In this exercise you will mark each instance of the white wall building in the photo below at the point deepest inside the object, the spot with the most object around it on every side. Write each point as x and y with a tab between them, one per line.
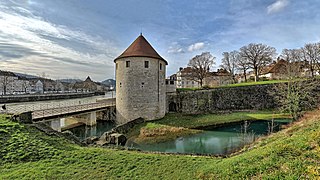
185	78
39	87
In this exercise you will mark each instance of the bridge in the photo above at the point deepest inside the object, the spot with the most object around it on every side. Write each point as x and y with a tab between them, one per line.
68	110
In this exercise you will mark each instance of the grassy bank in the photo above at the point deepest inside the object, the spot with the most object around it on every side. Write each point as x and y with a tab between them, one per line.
166	127
193	121
237	85
152	133
26	153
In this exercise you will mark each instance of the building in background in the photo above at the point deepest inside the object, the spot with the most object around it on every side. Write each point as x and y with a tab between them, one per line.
185	78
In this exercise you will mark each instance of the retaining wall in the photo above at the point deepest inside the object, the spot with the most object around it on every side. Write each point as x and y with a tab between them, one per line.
221	99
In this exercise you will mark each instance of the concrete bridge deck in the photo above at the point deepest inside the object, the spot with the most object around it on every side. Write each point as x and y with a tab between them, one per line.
55	112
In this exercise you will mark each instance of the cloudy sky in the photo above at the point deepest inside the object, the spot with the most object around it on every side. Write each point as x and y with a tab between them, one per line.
77	38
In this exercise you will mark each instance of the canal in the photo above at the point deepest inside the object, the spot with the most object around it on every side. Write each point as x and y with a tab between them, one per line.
217	141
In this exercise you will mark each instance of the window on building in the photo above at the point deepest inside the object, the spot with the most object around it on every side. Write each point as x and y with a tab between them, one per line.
116	65
146	64
160	66
142	84
120	84
127	63
171	82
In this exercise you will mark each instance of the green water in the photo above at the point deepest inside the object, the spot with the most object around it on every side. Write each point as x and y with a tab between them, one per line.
220	141
83	131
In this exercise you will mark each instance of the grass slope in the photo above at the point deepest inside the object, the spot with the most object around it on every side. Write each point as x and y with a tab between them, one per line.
237	85
290	154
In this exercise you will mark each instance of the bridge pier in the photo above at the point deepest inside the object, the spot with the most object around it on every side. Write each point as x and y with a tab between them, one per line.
57	124
90	119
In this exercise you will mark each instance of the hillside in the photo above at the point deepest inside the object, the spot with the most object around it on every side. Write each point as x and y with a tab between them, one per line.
109	82
26	153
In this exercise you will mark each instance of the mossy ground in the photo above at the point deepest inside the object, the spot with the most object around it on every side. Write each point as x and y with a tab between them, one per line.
26	153
154	133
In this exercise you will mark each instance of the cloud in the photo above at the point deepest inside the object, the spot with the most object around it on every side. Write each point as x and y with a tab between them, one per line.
29	41
175	50
196	46
277	6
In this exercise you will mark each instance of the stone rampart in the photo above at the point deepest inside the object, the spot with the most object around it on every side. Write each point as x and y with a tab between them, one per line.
221	99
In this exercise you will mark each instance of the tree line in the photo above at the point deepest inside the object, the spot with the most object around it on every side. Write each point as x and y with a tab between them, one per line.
255	56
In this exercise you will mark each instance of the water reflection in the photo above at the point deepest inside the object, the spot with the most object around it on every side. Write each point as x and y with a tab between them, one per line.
82	125
83	131
222	140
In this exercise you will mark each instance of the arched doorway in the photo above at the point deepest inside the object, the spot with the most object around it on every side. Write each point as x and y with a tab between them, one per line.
172	107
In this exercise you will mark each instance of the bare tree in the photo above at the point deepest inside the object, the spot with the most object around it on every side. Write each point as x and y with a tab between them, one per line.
296	95
25	85
293	57
258	56
243	66
230	62
6	78
201	65
311	54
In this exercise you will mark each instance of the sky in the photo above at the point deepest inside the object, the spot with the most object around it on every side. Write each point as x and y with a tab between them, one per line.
80	38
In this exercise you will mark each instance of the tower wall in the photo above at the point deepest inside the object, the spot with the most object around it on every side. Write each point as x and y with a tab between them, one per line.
140	91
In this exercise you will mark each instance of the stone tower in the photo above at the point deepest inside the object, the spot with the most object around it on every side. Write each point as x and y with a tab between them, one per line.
140	83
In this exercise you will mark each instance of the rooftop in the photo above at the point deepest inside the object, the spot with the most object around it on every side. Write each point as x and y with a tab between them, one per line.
140	48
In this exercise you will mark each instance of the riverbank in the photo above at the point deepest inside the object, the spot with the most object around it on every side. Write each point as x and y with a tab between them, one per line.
153	133
27	153
193	124
202	120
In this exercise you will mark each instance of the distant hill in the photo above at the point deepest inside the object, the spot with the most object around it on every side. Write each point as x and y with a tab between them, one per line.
70	80
109	82
26	75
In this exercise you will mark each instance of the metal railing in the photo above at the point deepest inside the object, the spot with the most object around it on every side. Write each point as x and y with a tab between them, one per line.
45	94
44	113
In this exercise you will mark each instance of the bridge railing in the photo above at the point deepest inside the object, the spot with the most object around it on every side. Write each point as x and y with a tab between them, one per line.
38	114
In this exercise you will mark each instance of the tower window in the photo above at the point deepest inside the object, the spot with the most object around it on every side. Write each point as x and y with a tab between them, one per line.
146	64
160	66
116	65
127	63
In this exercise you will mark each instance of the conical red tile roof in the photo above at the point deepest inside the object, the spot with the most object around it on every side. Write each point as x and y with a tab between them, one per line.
140	48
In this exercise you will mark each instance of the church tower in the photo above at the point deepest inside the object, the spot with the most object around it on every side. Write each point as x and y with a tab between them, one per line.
140	83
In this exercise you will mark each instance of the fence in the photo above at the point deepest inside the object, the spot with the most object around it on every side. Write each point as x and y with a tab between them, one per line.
38	114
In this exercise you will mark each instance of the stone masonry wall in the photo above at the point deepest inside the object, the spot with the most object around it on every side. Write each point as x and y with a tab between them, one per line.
140	91
221	99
